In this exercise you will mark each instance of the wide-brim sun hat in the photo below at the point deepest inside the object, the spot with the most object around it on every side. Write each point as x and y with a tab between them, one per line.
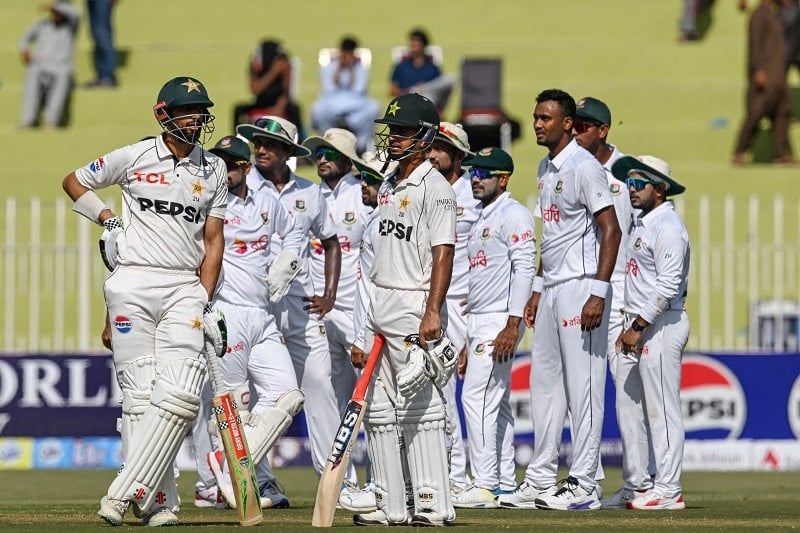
273	127
341	140
650	166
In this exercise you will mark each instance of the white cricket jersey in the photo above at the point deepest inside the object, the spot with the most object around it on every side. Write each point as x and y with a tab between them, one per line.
349	218
303	200
658	263
416	215
467	211
572	187
366	258
165	201
502	257
622	206
249	227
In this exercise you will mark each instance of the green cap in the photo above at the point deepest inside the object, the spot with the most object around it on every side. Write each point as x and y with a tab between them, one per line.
232	147
183	90
411	110
491	158
592	110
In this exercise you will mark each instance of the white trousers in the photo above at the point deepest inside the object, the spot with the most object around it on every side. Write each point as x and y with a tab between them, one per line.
487	409
567	361
457	333
340	332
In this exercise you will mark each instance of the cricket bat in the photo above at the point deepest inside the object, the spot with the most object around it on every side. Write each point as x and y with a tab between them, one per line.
237	453
330	484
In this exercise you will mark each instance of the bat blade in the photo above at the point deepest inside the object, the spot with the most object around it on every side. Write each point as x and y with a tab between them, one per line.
330	483
240	464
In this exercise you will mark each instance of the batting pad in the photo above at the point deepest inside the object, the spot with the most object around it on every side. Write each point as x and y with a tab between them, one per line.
383	444
264	429
422	423
153	447
136	382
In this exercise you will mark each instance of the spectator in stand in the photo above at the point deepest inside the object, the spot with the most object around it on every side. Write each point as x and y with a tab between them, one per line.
417	73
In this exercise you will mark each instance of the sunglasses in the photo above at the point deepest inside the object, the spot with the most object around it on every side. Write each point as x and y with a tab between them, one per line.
272	126
329	154
638	183
583	127
484	174
370	178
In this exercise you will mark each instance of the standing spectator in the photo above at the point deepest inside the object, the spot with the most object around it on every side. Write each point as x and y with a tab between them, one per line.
343	100
50	65
105	56
580	238
767	89
688	23
446	154
417	73
656	325
270	84
502	256
164	269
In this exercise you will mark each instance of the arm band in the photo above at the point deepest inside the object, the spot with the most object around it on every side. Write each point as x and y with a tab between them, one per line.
538	284
599	288
90	205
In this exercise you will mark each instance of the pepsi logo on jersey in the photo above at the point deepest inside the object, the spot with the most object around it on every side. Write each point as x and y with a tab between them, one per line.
397	229
165	207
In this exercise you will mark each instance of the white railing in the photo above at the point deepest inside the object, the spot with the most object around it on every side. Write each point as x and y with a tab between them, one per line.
743	252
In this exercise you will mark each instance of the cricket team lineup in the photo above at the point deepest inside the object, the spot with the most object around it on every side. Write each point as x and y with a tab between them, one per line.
438	279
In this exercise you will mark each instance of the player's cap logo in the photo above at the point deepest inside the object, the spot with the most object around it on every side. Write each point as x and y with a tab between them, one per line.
712	399
300	206
122	324
794	408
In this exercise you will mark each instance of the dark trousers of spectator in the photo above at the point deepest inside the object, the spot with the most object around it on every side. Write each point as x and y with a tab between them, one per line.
773	102
105	61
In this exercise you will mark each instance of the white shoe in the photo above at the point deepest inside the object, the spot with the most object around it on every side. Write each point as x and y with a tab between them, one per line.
570	497
161	517
224	485
429	519
355	499
375	518
620	499
475	498
112	511
272	496
654	501
525	496
209	498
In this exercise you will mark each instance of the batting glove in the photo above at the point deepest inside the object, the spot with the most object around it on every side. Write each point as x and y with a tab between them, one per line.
215	331
108	242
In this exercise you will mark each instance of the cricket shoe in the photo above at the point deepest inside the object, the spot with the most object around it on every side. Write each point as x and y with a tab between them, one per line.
112	511
376	518
209	498
272	496
429	519
570	497
475	498
161	517
524	497
620	499
224	486
355	499
655	501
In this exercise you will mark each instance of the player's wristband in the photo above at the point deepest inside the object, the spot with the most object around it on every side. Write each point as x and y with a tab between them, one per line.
538	284
90	205
599	288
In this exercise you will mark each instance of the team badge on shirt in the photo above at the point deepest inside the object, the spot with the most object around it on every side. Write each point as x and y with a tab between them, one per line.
197	188
485	234
322	331
615	189
197	323
349	218
300	206
637	245
480	349
265	218
559	187
404	203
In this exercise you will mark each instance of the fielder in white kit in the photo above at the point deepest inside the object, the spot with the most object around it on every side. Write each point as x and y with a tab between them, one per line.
256	352
502	257
410	278
165	254
299	314
446	154
656	324
580	238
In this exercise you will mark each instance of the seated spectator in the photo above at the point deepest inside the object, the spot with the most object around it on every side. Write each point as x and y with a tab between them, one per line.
270	80
417	73
343	100
49	65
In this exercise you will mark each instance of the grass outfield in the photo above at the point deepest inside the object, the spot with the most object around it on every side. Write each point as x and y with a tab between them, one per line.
54	501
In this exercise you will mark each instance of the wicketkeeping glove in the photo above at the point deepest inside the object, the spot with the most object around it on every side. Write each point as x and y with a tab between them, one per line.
108	242
215	331
281	274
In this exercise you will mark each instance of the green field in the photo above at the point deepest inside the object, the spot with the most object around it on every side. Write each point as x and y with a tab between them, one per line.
681	102
51	500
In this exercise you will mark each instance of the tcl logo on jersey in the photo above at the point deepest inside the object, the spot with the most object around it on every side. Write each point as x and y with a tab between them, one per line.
151	177
398	229
164	207
712	400
527	236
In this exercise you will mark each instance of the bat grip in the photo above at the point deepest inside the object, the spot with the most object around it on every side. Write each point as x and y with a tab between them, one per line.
215	373
366	374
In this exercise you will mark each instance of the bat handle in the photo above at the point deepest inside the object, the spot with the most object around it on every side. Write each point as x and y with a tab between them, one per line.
215	372
369	368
